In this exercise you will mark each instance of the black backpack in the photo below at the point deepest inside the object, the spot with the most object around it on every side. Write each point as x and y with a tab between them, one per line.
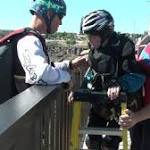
109	66
8	56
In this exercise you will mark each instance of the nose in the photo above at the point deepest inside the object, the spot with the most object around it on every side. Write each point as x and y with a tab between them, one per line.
60	18
60	22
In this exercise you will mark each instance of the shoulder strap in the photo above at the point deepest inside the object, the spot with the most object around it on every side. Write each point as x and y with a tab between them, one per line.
10	36
38	35
17	34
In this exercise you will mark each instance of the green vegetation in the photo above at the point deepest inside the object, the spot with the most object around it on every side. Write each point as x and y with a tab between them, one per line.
71	38
62	45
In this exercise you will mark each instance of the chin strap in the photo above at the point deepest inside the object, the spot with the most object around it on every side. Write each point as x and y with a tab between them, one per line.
48	22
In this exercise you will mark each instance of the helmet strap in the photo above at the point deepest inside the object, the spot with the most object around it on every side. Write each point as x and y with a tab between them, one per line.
48	21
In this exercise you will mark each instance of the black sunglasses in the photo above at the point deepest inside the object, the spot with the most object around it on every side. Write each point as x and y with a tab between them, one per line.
60	16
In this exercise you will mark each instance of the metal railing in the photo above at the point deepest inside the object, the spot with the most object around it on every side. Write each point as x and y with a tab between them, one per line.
36	119
39	118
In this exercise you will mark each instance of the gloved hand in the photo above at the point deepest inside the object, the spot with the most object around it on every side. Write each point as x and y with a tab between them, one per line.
113	92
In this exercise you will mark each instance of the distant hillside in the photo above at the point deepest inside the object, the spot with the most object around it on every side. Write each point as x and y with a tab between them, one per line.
3	32
63	44
55	36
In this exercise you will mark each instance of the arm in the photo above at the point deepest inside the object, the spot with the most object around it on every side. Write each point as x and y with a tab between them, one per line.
34	62
130	119
143	114
74	64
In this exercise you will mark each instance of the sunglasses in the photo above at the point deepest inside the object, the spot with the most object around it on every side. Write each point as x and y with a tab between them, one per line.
60	16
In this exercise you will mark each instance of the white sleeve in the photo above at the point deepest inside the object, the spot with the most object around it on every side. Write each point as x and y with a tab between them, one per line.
64	65
34	62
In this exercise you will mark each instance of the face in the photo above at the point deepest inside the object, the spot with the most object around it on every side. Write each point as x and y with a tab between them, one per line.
95	41
57	20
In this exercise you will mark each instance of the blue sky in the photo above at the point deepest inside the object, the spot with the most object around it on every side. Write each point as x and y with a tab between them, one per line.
130	15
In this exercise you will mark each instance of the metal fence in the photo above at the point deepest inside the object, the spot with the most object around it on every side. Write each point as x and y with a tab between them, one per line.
36	119
39	118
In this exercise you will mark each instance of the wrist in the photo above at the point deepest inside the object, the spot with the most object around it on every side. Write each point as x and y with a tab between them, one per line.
136	118
112	83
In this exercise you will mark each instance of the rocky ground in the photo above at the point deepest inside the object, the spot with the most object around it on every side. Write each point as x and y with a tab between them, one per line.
59	51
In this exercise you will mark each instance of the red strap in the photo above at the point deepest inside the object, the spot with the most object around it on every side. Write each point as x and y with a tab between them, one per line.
29	31
11	35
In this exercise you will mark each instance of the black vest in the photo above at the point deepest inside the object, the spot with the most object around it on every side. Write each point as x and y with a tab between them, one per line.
113	60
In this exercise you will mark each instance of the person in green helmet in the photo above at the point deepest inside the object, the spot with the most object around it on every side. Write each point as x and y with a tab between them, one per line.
51	12
47	15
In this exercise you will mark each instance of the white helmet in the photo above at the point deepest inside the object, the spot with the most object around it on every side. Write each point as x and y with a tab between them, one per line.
98	22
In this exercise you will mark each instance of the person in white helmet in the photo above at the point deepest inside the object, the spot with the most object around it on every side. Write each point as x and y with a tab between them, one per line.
113	69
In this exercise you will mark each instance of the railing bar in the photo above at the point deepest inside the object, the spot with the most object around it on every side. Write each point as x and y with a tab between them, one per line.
101	131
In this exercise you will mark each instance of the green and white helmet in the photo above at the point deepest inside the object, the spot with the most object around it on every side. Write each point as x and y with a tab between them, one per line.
41	7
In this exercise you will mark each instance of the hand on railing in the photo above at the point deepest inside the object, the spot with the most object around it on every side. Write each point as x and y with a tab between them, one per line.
70	97
86	95
128	119
113	92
